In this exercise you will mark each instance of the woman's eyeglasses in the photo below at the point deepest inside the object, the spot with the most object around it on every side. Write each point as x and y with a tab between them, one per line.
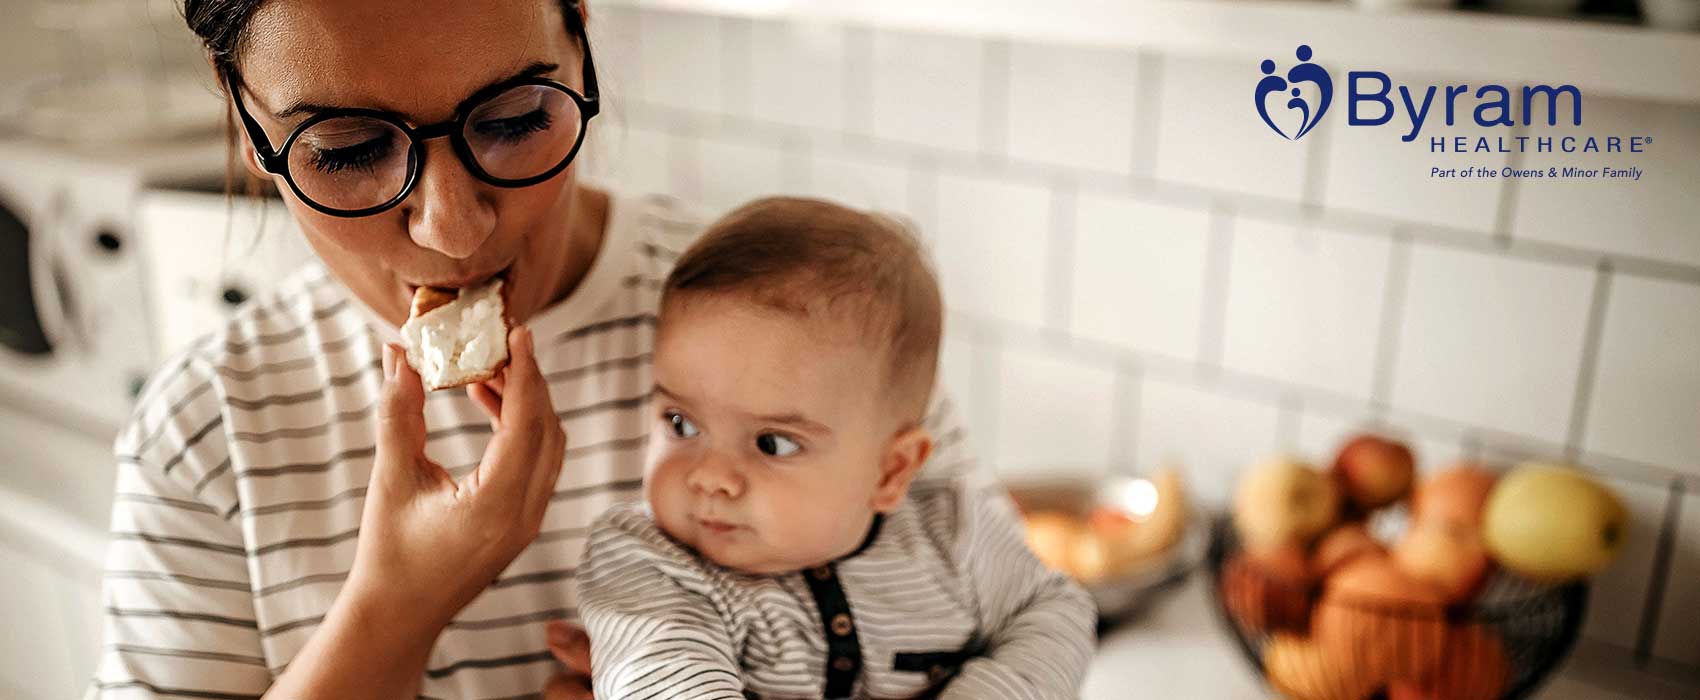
359	162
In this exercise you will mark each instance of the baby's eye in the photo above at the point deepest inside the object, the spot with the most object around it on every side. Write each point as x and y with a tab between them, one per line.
776	445
682	426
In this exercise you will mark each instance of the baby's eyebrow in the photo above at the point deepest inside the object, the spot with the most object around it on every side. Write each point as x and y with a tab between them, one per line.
798	421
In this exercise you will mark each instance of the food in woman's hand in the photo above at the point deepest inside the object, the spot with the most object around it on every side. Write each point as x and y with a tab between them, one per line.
1551	523
1374	471
1284	501
456	337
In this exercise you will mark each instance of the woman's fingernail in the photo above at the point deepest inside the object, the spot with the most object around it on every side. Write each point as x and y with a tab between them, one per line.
530	341
389	361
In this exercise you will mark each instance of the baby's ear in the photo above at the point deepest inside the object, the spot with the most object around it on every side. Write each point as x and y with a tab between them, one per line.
902	460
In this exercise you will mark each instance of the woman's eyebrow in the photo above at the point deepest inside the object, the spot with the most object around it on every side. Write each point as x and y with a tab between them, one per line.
536	68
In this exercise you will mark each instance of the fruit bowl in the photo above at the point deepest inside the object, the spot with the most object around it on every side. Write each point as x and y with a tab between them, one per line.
1348	645
1123	579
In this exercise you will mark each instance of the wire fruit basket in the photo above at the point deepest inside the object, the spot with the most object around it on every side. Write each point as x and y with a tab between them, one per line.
1312	644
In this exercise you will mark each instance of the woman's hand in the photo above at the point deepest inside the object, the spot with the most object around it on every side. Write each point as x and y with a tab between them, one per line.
428	543
432	543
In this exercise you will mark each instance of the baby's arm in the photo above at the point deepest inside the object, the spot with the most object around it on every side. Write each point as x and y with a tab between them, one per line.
1037	625
654	633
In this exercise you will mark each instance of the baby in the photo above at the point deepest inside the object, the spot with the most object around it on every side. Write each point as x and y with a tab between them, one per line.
779	551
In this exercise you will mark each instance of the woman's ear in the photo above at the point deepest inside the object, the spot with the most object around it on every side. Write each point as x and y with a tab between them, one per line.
903	458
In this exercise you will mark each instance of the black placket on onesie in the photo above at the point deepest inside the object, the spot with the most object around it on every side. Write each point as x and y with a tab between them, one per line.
843	650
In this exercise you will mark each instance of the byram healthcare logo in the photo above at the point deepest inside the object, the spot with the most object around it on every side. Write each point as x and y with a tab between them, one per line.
1304	72
1373	99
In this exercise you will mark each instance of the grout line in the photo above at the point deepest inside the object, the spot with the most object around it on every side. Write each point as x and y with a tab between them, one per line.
1059	287
1218	261
1392	320
1587	369
1656	583
1147	114
737	58
1505	215
996	76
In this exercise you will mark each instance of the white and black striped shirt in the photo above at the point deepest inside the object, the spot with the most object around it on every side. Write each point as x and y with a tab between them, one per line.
242	471
941	590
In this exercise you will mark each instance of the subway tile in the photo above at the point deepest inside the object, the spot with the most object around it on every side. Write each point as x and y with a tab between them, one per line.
1139	274
927	89
1304	305
1651	218
1209	135
1619	593
732	173
1679	637
1212	436
1492	341
797	74
1369	169
616	40
1072	107
636	159
682	61
991	247
1053	415
858	182
1646	390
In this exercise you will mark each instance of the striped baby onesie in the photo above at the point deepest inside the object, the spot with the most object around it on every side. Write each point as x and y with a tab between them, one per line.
942	590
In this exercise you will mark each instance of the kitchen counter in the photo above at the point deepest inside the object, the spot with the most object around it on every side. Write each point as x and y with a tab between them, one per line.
1178	649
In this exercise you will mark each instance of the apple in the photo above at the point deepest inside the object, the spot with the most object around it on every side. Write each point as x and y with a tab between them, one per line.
1551	523
1456	494
1444	553
1284	501
1378	618
1341	545
1268	589
1302	669
1374	471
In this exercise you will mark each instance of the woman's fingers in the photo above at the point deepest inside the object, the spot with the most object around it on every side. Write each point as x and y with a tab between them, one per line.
529	446
401	425
488	400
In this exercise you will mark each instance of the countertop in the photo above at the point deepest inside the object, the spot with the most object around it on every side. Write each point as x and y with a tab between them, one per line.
1177	649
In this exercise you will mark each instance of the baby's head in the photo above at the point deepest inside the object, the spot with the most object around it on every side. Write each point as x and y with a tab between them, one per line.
794	359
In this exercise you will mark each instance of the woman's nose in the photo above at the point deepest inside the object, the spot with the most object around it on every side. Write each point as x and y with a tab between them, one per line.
716	476
448	211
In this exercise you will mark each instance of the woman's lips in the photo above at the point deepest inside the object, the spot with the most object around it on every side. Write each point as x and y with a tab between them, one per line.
458	282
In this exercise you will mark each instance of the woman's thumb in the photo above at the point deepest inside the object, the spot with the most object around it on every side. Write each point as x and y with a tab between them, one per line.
401	408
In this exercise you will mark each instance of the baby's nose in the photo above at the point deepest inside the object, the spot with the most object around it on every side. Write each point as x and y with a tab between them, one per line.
717	476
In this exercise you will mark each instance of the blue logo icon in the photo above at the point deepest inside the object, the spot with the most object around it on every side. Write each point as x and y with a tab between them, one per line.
1304	72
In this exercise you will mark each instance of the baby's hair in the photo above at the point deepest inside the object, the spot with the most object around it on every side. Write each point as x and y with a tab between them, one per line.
815	259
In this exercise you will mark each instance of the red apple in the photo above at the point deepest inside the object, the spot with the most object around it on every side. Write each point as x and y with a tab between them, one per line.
1457	494
1447	554
1374	471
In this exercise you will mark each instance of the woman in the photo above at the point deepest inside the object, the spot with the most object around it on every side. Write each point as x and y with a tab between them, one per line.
295	518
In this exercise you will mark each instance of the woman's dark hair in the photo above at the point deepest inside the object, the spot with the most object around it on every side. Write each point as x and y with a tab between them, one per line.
223	24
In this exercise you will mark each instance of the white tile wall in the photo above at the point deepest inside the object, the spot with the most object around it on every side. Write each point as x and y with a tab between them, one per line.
1053	415
1209	136
35	628
616	43
1139	274
1212	435
1304	304
1679	635
1646	392
991	243
1492	341
927	90
1072	106
797	74
682	62
1652	218
859	182
1619	594
730	173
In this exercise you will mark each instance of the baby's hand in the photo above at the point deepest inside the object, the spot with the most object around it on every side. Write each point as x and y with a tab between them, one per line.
571	646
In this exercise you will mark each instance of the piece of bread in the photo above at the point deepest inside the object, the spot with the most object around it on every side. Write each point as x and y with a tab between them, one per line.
455	337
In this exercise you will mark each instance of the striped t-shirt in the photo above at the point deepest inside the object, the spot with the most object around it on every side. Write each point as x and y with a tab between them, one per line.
940	591
242	472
